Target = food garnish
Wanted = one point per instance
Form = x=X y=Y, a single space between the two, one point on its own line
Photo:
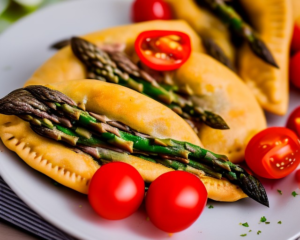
x=236 y=23
x=166 y=201
x=258 y=232
x=294 y=194
x=163 y=50
x=294 y=69
x=243 y=235
x=216 y=52
x=147 y=10
x=245 y=224
x=250 y=230
x=54 y=115
x=116 y=67
x=116 y=191
x=295 y=44
x=210 y=206
x=279 y=191
x=263 y=219
x=273 y=153
x=267 y=222
x=279 y=222
x=293 y=121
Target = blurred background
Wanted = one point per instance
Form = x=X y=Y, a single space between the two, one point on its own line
x=12 y=10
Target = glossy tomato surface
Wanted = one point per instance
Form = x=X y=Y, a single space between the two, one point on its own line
x=295 y=45
x=147 y=10
x=293 y=122
x=116 y=191
x=163 y=50
x=295 y=70
x=175 y=200
x=273 y=153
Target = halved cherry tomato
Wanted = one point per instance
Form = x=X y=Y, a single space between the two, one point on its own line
x=295 y=45
x=295 y=70
x=163 y=50
x=146 y=10
x=116 y=191
x=293 y=122
x=273 y=153
x=175 y=200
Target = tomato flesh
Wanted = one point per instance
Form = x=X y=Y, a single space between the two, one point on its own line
x=116 y=191
x=273 y=153
x=163 y=50
x=147 y=10
x=175 y=200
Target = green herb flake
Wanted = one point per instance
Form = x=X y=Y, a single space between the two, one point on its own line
x=279 y=191
x=245 y=224
x=210 y=206
x=250 y=230
x=258 y=232
x=263 y=219
x=267 y=222
x=279 y=222
x=243 y=235
x=294 y=194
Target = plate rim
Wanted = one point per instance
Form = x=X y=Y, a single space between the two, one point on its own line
x=10 y=180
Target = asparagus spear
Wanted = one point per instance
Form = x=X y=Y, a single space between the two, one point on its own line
x=228 y=15
x=116 y=67
x=103 y=144
x=216 y=52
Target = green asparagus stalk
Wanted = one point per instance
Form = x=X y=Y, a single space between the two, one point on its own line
x=116 y=67
x=216 y=52
x=110 y=143
x=230 y=17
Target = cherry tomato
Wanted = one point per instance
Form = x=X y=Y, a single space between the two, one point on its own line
x=116 y=191
x=295 y=70
x=295 y=46
x=293 y=122
x=163 y=50
x=273 y=153
x=175 y=200
x=147 y=10
x=297 y=176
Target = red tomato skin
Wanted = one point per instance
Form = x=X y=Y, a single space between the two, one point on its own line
x=273 y=153
x=297 y=176
x=175 y=200
x=147 y=10
x=295 y=45
x=293 y=122
x=116 y=191
x=186 y=44
x=295 y=70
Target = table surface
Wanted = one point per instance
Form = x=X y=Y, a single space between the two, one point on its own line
x=8 y=232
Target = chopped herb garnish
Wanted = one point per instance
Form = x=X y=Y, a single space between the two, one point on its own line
x=279 y=222
x=258 y=232
x=250 y=230
x=267 y=222
x=294 y=194
x=243 y=235
x=210 y=206
x=279 y=191
x=245 y=224
x=263 y=219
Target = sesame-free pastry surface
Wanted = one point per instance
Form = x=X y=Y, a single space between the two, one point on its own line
x=215 y=87
x=75 y=170
x=273 y=20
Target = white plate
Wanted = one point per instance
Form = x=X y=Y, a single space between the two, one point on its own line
x=23 y=48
